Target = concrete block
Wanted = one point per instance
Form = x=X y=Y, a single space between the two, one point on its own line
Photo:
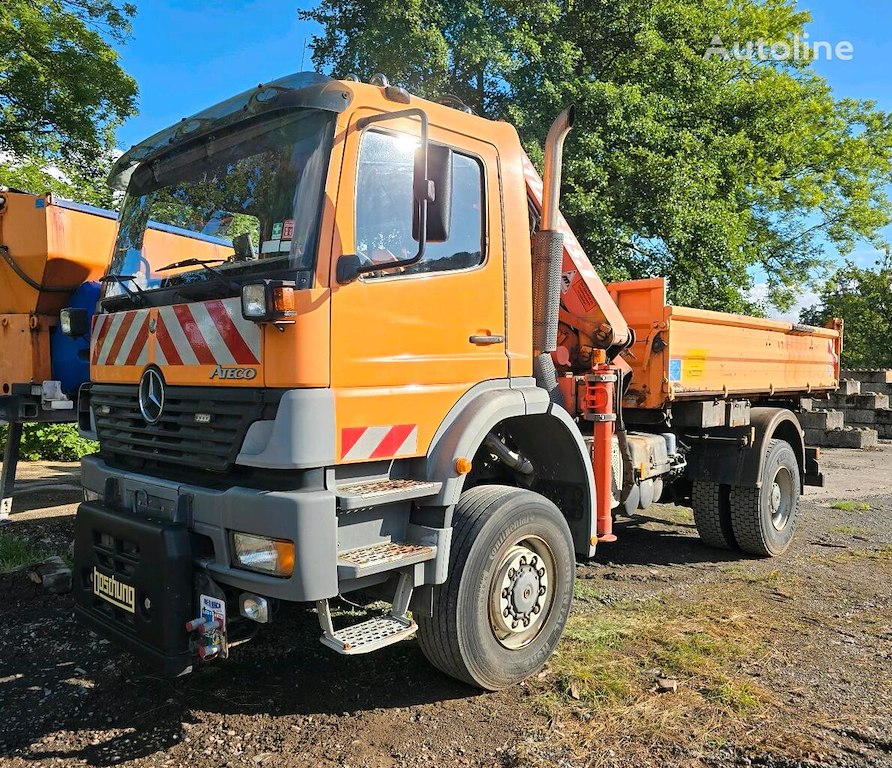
x=53 y=575
x=867 y=400
x=822 y=419
x=871 y=386
x=862 y=417
x=850 y=438
x=849 y=387
x=874 y=375
x=884 y=431
x=882 y=416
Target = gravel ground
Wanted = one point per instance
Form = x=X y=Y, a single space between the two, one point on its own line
x=68 y=698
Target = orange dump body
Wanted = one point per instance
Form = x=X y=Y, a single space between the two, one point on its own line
x=683 y=354
x=55 y=245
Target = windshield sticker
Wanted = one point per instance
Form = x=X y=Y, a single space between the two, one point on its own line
x=271 y=246
x=276 y=234
x=287 y=229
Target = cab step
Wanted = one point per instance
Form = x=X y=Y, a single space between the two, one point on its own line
x=387 y=556
x=374 y=492
x=370 y=635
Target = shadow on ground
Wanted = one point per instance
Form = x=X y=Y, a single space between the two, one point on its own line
x=119 y=711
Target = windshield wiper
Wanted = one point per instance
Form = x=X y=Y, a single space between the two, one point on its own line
x=135 y=296
x=204 y=264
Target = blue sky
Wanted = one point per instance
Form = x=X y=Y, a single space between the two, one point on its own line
x=189 y=55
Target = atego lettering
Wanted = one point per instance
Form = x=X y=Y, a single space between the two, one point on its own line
x=233 y=372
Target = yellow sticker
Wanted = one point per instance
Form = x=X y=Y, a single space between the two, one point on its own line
x=694 y=365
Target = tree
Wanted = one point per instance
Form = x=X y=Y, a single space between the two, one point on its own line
x=62 y=89
x=701 y=168
x=863 y=299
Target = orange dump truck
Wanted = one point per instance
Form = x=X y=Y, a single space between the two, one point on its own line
x=386 y=368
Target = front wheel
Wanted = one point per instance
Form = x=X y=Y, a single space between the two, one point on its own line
x=501 y=612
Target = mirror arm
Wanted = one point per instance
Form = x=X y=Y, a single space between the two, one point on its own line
x=349 y=271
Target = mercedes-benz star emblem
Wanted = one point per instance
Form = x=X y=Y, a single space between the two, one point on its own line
x=151 y=395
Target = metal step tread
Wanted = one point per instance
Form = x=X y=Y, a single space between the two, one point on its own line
x=353 y=495
x=385 y=556
x=370 y=635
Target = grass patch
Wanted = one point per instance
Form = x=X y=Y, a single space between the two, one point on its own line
x=17 y=552
x=849 y=530
x=605 y=671
x=750 y=576
x=851 y=506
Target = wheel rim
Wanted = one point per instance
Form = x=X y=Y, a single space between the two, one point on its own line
x=780 y=500
x=522 y=592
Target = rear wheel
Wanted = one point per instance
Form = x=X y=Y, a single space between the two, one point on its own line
x=764 y=519
x=501 y=612
x=712 y=514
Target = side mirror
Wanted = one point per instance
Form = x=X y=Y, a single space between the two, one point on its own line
x=74 y=322
x=436 y=188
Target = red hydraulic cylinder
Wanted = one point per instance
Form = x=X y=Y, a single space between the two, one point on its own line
x=599 y=410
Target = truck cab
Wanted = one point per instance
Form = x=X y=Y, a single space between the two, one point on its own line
x=324 y=362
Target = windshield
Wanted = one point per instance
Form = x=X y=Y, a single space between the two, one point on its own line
x=247 y=201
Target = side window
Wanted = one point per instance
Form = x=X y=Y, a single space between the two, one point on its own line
x=384 y=208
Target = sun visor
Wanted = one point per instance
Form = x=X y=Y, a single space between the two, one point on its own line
x=307 y=90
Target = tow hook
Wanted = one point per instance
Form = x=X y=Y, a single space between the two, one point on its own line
x=208 y=638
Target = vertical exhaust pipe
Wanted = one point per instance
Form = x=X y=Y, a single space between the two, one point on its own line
x=548 y=252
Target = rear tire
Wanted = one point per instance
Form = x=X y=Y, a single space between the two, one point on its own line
x=712 y=515
x=511 y=563
x=764 y=519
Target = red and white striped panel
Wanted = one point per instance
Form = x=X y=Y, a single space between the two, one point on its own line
x=206 y=333
x=121 y=338
x=379 y=442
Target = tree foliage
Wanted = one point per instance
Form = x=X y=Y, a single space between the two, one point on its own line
x=863 y=299
x=702 y=169
x=62 y=92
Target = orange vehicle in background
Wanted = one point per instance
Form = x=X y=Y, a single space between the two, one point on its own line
x=361 y=378
x=52 y=253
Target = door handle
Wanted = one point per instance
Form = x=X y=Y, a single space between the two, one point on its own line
x=483 y=340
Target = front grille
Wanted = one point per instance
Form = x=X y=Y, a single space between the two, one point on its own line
x=177 y=440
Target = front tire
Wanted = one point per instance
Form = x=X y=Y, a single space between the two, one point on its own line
x=764 y=519
x=499 y=615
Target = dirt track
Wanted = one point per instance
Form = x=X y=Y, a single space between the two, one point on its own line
x=820 y=668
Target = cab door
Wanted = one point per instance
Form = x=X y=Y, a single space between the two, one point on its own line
x=407 y=343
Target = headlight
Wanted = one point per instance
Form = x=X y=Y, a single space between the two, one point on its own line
x=258 y=553
x=254 y=301
x=91 y=495
x=74 y=322
x=268 y=301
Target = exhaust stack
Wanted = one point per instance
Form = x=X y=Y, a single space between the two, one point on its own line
x=548 y=249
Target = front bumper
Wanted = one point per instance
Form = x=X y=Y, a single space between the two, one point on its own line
x=147 y=547
x=305 y=516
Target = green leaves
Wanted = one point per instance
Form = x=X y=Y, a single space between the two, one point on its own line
x=62 y=89
x=702 y=170
x=863 y=299
x=50 y=442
